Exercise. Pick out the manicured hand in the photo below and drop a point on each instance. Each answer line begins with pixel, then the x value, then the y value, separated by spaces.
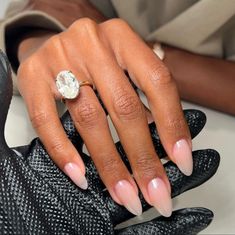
pixel 100 53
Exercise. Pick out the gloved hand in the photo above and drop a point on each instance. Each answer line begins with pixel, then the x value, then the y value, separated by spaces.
pixel 37 198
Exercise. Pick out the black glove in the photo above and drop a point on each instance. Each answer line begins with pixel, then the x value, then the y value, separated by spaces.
pixel 37 198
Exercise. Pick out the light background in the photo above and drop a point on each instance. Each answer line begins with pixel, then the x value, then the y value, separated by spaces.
pixel 3 5
pixel 217 194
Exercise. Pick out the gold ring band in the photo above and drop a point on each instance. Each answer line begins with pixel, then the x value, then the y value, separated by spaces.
pixel 86 83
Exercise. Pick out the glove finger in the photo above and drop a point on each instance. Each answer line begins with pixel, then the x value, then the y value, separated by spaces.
pixel 71 131
pixel 205 164
pixel 5 96
pixel 184 221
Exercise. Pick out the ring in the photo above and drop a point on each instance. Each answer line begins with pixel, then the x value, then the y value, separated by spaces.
pixel 68 85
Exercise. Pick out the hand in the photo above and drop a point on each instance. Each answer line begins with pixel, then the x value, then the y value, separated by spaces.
pixel 100 53
pixel 67 11
pixel 37 198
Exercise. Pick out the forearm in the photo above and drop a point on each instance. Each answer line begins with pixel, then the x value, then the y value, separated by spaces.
pixel 204 80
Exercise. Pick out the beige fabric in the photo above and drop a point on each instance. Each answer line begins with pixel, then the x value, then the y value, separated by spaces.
pixel 202 26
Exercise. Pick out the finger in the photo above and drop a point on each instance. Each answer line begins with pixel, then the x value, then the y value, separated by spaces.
pixel 128 115
pixel 44 117
pixel 71 131
pixel 150 74
pixel 90 121
pixel 206 163
pixel 196 121
pixel 184 221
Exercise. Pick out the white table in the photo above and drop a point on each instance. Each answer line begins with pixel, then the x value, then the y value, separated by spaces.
pixel 217 194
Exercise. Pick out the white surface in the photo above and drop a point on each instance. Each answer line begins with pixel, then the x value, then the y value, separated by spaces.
pixel 3 5
pixel 217 194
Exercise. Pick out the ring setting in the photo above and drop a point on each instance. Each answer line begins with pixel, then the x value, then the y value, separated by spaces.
pixel 68 85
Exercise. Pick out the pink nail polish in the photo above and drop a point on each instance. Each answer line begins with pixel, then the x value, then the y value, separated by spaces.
pixel 75 174
pixel 160 197
pixel 182 155
pixel 128 197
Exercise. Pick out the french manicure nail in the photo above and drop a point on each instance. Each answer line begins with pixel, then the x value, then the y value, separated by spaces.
pixel 128 197
pixel 182 155
pixel 160 197
pixel 75 174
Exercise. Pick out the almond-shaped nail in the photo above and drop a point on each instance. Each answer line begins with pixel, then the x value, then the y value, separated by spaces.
pixel 160 197
pixel 128 197
pixel 182 156
pixel 75 174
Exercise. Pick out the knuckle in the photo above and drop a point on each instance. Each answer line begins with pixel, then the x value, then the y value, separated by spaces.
pixel 146 165
pixel 54 40
pixel 88 114
pixel 56 147
pixel 172 125
pixel 53 45
pixel 39 119
pixel 117 23
pixel 85 26
pixel 127 106
pixel 27 67
pixel 160 75
pixel 110 166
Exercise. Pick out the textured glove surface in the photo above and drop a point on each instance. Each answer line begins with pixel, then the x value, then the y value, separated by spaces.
pixel 37 198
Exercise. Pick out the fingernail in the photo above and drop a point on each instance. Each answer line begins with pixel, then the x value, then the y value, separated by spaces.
pixel 75 174
pixel 128 197
pixel 182 155
pixel 160 197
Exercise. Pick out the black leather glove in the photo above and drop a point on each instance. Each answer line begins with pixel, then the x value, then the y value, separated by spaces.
pixel 37 198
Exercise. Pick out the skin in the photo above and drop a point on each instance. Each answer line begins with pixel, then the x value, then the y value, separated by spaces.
pixel 102 55
pixel 203 80
pixel 124 107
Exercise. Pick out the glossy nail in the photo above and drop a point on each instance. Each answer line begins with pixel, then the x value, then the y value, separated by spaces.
pixel 160 197
pixel 75 174
pixel 128 197
pixel 182 156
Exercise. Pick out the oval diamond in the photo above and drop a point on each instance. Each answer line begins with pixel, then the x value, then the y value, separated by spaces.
pixel 67 84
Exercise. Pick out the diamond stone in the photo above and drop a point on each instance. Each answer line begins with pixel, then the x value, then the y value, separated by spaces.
pixel 67 84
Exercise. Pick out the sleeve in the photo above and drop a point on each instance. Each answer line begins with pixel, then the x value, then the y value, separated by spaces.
pixel 12 26
pixel 206 28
